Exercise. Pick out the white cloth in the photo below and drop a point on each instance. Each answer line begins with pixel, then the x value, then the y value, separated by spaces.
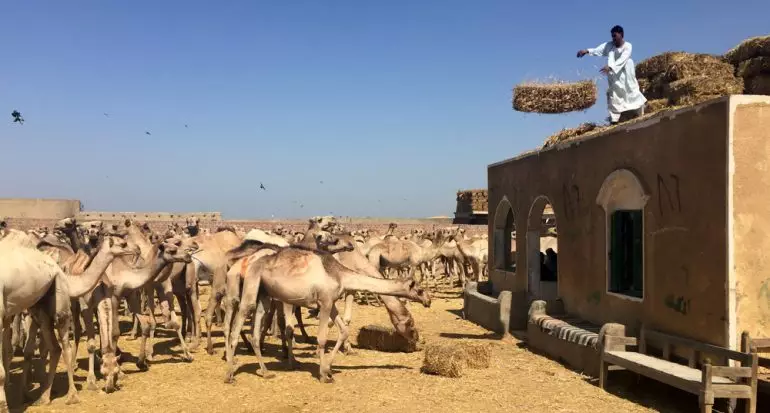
pixel 623 93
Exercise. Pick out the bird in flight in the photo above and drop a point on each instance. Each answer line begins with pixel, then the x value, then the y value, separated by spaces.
pixel 17 117
pixel 262 187
pixel 322 182
pixel 107 115
pixel 185 125
pixel 147 133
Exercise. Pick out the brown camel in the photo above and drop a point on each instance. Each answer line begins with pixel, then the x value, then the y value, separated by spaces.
pixel 399 254
pixel 308 278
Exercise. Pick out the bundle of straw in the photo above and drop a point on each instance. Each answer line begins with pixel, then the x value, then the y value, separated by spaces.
pixel 758 85
pixel 385 339
pixel 656 105
pixel 450 358
pixel 749 48
pixel 754 66
pixel 657 64
pixel 559 97
pixel 570 133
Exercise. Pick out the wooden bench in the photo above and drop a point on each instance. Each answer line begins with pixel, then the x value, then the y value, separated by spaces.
pixel 709 382
pixel 759 345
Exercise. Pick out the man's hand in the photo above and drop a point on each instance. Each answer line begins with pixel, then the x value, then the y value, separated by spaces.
pixel 605 70
pixel 582 53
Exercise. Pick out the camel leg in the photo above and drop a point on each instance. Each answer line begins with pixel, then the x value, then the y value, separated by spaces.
pixel 325 312
pixel 230 303
pixel 63 325
pixel 256 334
pixel 149 316
pixel 88 320
pixel 105 312
pixel 305 337
pixel 46 330
pixel 77 330
pixel 346 318
pixel 290 320
pixel 247 304
pixel 29 352
pixel 173 323
pixel 218 281
pixel 4 368
pixel 16 334
pixel 191 286
pixel 267 323
pixel 144 324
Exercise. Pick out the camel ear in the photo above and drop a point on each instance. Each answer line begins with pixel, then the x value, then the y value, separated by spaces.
pixel 128 222
pixel 111 243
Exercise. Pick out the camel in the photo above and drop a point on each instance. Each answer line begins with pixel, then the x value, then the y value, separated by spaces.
pixel 31 279
pixel 474 252
pixel 123 277
pixel 300 277
pixel 395 253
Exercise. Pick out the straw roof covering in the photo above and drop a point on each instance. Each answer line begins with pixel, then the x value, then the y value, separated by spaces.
pixel 560 97
pixel 749 48
pixel 754 66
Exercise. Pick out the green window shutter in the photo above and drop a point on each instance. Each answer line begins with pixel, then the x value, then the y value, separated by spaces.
pixel 615 252
pixel 638 252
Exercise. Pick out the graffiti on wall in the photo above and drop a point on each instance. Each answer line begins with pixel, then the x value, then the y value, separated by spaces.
pixel 669 198
pixel 679 304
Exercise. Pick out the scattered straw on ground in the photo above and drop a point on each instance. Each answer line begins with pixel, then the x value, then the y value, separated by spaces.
pixel 684 90
pixel 657 64
pixel 749 48
pixel 367 381
pixel 758 85
pixel 754 67
pixel 381 338
pixel 554 97
pixel 570 133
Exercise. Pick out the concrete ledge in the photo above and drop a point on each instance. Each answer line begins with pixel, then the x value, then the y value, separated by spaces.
pixel 492 313
pixel 565 339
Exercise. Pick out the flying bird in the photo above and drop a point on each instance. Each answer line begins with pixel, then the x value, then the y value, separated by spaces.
pixel 106 114
pixel 322 182
pixel 17 117
pixel 147 133
pixel 185 125
pixel 262 187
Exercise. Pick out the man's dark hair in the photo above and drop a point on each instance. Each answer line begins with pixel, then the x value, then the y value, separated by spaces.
pixel 617 29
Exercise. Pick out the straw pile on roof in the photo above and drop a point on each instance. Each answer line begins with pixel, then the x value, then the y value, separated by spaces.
pixel 654 65
pixel 752 63
pixel 449 358
pixel 386 339
pixel 477 199
pixel 692 88
pixel 559 97
pixel 748 49
pixel 570 133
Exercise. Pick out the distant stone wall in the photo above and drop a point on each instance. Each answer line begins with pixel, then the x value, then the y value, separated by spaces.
pixel 33 208
pixel 148 216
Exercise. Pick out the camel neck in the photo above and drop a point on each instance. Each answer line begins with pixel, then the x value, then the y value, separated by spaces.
pixel 352 281
pixel 82 284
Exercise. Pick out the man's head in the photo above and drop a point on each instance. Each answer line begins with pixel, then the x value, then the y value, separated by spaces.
pixel 617 36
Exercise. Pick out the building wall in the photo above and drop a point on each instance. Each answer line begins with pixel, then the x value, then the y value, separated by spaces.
pixel 38 208
pixel 751 198
pixel 680 158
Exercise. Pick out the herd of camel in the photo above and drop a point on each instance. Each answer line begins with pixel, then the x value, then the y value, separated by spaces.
pixel 58 282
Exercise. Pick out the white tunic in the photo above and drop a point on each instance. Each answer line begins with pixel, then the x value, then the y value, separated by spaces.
pixel 623 93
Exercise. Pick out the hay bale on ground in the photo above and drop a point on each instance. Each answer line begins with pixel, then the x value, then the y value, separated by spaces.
pixel 444 359
pixel 749 48
pixel 758 85
pixel 656 64
pixel 754 67
pixel 698 86
pixel 570 133
pixel 698 64
pixel 554 97
pixel 655 105
pixel 478 355
pixel 385 339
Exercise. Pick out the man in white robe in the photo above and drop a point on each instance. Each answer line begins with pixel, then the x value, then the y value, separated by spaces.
pixel 623 95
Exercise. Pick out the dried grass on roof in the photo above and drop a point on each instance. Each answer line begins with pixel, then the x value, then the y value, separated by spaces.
pixel 749 48
pixel 657 64
pixel 758 85
pixel 698 64
pixel 694 87
pixel 655 105
pixel 560 97
pixel 755 66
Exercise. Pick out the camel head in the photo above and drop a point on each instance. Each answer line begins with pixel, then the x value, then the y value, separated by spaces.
pixel 322 223
pixel 90 231
pixel 417 293
pixel 332 243
pixel 116 231
pixel 119 247
pixel 298 237
pixel 171 251
pixel 278 230
pixel 193 226
pixel 66 225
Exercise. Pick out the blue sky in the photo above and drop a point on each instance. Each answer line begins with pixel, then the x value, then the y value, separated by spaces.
pixel 393 105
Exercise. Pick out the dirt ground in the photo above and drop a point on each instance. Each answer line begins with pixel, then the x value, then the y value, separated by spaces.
pixel 369 381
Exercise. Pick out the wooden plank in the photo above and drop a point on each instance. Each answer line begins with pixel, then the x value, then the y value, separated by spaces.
pixel 726 391
pixel 764 362
pixel 697 345
pixel 761 344
pixel 732 371
pixel 653 370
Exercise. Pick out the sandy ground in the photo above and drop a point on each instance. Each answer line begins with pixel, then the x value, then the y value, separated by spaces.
pixel 370 381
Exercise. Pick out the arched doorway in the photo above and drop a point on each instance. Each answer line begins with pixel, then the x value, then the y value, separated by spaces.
pixel 504 244
pixel 542 250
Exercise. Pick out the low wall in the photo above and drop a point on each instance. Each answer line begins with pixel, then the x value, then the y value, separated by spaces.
pixel 489 312
pixel 34 208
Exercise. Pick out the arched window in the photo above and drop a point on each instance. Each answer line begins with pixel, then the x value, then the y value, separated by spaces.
pixel 623 198
pixel 542 249
pixel 503 233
